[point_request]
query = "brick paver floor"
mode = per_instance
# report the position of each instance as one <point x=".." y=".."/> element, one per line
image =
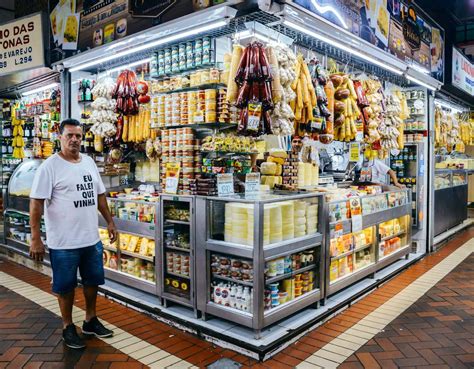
<point x="437" y="331"/>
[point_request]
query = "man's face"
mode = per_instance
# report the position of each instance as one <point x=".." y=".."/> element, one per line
<point x="71" y="139"/>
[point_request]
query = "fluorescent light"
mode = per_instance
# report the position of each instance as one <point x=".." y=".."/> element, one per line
<point x="323" y="9"/>
<point x="447" y="105"/>
<point x="128" y="66"/>
<point x="40" y="89"/>
<point x="248" y="34"/>
<point x="342" y="47"/>
<point x="161" y="41"/>
<point x="419" y="68"/>
<point x="417" y="81"/>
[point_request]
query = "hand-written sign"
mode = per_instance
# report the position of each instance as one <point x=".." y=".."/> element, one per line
<point x="21" y="45"/>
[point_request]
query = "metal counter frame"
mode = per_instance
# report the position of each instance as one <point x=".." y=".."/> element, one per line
<point x="259" y="254"/>
<point x="369" y="220"/>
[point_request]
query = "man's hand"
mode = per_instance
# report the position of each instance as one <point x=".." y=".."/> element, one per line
<point x="112" y="232"/>
<point x="37" y="250"/>
<point x="399" y="185"/>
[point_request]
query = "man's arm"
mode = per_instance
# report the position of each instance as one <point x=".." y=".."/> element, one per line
<point x="36" y="247"/>
<point x="394" y="178"/>
<point x="104" y="210"/>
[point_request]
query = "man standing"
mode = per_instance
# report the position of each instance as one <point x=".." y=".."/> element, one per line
<point x="69" y="189"/>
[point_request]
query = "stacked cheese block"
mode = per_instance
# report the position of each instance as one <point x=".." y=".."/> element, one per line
<point x="239" y="222"/>
<point x="300" y="218"/>
<point x="282" y="221"/>
<point x="288" y="214"/>
<point x="272" y="168"/>
<point x="308" y="174"/>
<point x="290" y="170"/>
<point x="311" y="218"/>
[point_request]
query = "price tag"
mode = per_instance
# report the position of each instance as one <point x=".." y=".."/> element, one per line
<point x="338" y="229"/>
<point x="172" y="177"/>
<point x="225" y="184"/>
<point x="254" y="115"/>
<point x="354" y="152"/>
<point x="252" y="183"/>
<point x="356" y="223"/>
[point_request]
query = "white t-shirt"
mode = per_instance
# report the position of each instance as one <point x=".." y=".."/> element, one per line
<point x="70" y="210"/>
<point x="379" y="170"/>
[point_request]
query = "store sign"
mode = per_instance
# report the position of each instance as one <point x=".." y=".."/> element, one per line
<point x="225" y="184"/>
<point x="463" y="72"/>
<point x="395" y="26"/>
<point x="21" y="45"/>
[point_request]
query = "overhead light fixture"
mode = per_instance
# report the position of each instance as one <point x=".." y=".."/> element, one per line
<point x="242" y="35"/>
<point x="341" y="46"/>
<point x="452" y="107"/>
<point x="323" y="9"/>
<point x="41" y="89"/>
<point x="128" y="66"/>
<point x="417" y="81"/>
<point x="149" y="45"/>
<point x="419" y="68"/>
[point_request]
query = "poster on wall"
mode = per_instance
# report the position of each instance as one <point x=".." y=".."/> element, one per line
<point x="104" y="21"/>
<point x="394" y="26"/>
<point x="463" y="72"/>
<point x="21" y="45"/>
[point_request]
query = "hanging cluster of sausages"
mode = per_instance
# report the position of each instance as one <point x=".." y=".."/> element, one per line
<point x="126" y="93"/>
<point x="254" y="96"/>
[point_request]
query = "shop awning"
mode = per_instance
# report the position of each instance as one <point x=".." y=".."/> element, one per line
<point x="16" y="83"/>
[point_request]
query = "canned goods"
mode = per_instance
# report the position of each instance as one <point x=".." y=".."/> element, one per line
<point x="175" y="58"/>
<point x="167" y="61"/>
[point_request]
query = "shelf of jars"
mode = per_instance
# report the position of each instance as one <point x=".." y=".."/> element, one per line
<point x="177" y="266"/>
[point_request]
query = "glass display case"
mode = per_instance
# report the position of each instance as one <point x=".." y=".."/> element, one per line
<point x="262" y="256"/>
<point x="20" y="184"/>
<point x="130" y="260"/>
<point x="176" y="266"/>
<point x="451" y="196"/>
<point x="133" y="261"/>
<point x="360" y="238"/>
<point x="443" y="179"/>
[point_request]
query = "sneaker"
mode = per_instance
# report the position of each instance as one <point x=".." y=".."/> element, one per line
<point x="71" y="338"/>
<point x="95" y="327"/>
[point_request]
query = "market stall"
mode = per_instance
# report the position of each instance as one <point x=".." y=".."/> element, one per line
<point x="213" y="135"/>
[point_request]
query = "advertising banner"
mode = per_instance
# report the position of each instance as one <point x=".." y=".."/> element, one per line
<point x="102" y="21"/>
<point x="394" y="26"/>
<point x="21" y="45"/>
<point x="463" y="72"/>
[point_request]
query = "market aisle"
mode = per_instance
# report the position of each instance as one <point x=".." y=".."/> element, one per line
<point x="352" y="331"/>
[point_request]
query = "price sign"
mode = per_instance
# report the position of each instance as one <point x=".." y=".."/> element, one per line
<point x="225" y="184"/>
<point x="354" y="153"/>
<point x="338" y="229"/>
<point x="356" y="223"/>
<point x="172" y="177"/>
<point x="252" y="183"/>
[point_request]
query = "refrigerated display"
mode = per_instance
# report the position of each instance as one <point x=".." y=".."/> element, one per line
<point x="450" y="199"/>
<point x="266" y="250"/>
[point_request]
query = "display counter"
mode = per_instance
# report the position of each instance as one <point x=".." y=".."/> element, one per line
<point x="365" y="234"/>
<point x="131" y="259"/>
<point x="260" y="259"/>
<point x="450" y="206"/>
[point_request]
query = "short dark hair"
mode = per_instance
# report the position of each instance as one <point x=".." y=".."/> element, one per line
<point x="69" y="122"/>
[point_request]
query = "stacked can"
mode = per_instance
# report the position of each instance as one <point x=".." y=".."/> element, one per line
<point x="210" y="105"/>
<point x="184" y="108"/>
<point x="206" y="50"/>
<point x="174" y="58"/>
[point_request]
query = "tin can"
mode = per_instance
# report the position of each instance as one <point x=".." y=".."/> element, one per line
<point x="167" y="61"/>
<point x="175" y="58"/>
<point x="182" y="55"/>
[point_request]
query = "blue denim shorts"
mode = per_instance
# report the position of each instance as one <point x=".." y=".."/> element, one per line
<point x="66" y="262"/>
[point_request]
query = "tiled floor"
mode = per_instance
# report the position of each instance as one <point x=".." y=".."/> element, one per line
<point x="382" y="330"/>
